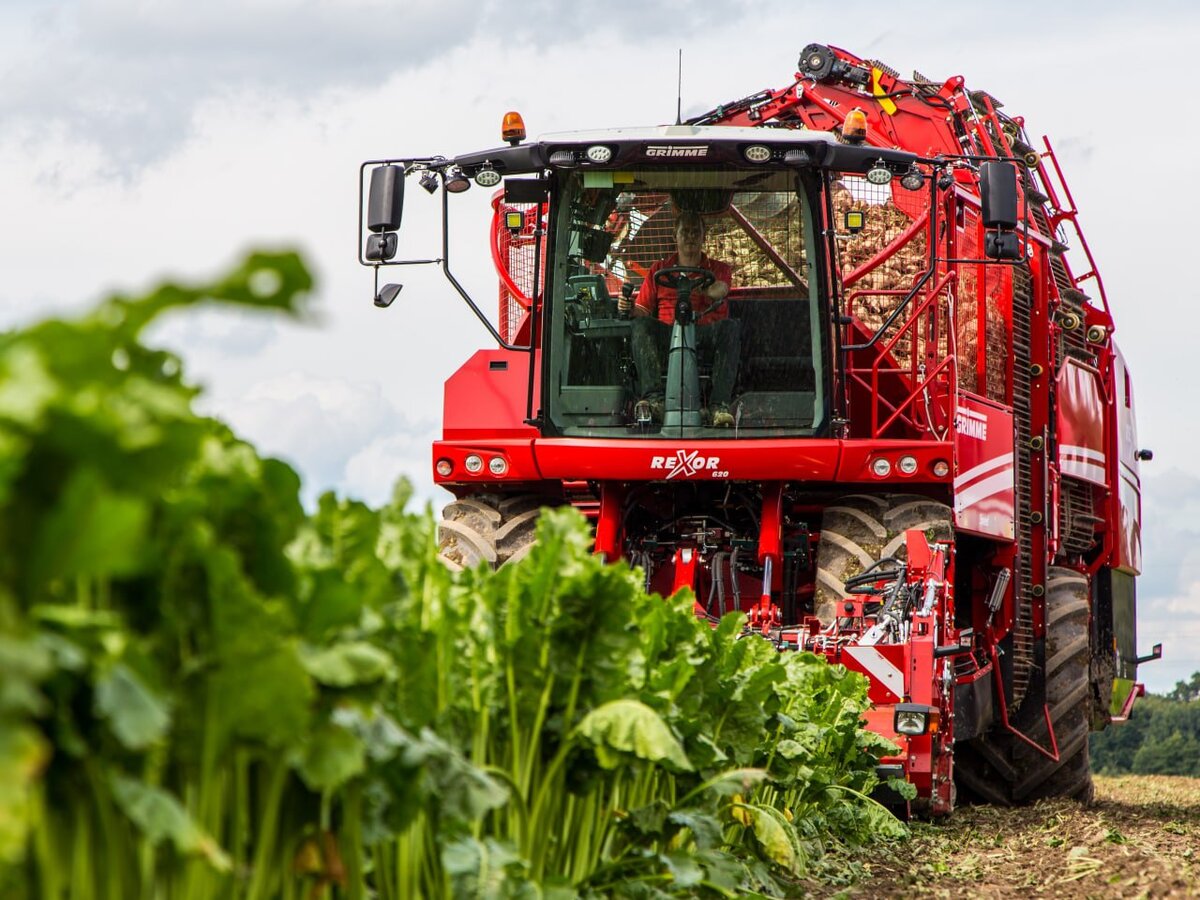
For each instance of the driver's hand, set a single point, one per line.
(717, 290)
(624, 304)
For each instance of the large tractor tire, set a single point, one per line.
(491, 528)
(860, 529)
(998, 767)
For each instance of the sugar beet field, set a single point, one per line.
(1140, 838)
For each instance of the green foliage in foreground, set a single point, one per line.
(1162, 736)
(206, 692)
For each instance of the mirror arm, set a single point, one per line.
(458, 287)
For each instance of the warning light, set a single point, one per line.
(854, 129)
(513, 128)
(855, 220)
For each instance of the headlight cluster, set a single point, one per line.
(882, 466)
(474, 464)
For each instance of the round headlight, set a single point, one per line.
(488, 177)
(941, 468)
(444, 467)
(455, 181)
(881, 467)
(598, 153)
(497, 465)
(473, 463)
(879, 175)
(757, 153)
(907, 464)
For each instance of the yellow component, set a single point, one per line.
(1122, 688)
(855, 220)
(512, 129)
(514, 220)
(622, 177)
(738, 810)
(878, 92)
(597, 179)
(854, 129)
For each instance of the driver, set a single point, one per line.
(717, 335)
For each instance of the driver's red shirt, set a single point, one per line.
(650, 293)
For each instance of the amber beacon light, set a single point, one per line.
(512, 129)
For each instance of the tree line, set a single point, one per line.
(1162, 736)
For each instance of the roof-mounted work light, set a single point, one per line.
(456, 181)
(912, 179)
(879, 174)
(487, 176)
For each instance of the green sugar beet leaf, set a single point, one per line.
(630, 727)
(329, 758)
(161, 817)
(263, 697)
(137, 715)
(347, 664)
(92, 531)
(23, 754)
(777, 839)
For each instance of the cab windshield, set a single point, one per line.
(629, 358)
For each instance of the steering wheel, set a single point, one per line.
(685, 280)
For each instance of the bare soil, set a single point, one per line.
(1139, 838)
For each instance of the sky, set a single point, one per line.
(143, 139)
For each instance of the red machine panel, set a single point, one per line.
(1081, 447)
(1128, 549)
(884, 665)
(487, 397)
(984, 501)
(687, 460)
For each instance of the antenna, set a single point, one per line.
(679, 92)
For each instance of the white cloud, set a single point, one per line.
(338, 433)
(371, 471)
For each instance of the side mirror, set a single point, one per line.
(387, 294)
(998, 206)
(381, 247)
(385, 202)
(997, 195)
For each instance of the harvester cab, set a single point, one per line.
(597, 221)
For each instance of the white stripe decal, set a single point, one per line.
(1001, 481)
(1082, 453)
(879, 667)
(973, 473)
(1083, 470)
